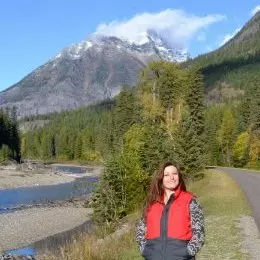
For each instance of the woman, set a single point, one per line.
(172, 227)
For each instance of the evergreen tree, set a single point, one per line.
(195, 101)
(244, 113)
(14, 140)
(46, 146)
(78, 146)
(213, 117)
(255, 108)
(124, 112)
(9, 134)
(189, 151)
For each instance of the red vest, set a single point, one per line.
(179, 222)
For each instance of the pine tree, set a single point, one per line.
(10, 134)
(46, 146)
(78, 146)
(189, 151)
(244, 113)
(14, 142)
(195, 101)
(255, 109)
(213, 117)
(124, 115)
(194, 124)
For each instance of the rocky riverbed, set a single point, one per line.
(24, 227)
(10, 179)
(37, 174)
(28, 224)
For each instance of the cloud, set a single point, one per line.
(228, 36)
(255, 10)
(174, 25)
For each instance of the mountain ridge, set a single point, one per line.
(85, 73)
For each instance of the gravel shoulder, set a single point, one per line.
(251, 237)
(10, 179)
(249, 181)
(21, 228)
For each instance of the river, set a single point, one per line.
(15, 199)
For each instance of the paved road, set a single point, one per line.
(250, 183)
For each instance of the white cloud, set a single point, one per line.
(174, 25)
(255, 10)
(228, 36)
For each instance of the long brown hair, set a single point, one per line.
(156, 189)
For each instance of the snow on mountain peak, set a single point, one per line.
(149, 43)
(75, 51)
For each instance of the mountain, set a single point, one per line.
(86, 73)
(245, 43)
(230, 70)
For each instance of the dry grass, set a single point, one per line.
(220, 195)
(89, 247)
(223, 204)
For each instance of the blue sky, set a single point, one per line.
(32, 31)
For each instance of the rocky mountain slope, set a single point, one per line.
(86, 73)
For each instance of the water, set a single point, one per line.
(12, 199)
(73, 169)
(15, 198)
(22, 251)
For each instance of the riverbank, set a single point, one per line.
(29, 175)
(11, 178)
(24, 227)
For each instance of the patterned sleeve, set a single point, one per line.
(140, 234)
(197, 223)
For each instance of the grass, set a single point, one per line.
(223, 203)
(220, 195)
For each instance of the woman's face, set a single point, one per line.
(170, 177)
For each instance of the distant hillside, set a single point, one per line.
(245, 44)
(230, 69)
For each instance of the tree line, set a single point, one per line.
(233, 130)
(9, 136)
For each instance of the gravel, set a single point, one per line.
(251, 237)
(10, 179)
(21, 228)
(249, 181)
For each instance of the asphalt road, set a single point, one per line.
(249, 181)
